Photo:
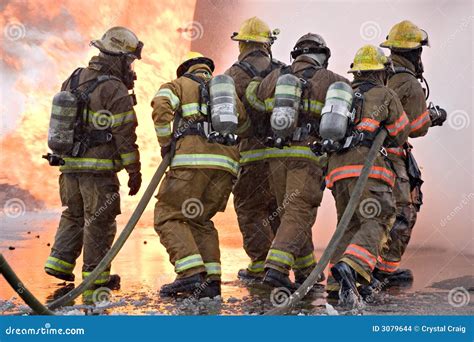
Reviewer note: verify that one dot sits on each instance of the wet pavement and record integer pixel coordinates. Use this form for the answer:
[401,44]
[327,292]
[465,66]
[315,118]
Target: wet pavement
[444,281]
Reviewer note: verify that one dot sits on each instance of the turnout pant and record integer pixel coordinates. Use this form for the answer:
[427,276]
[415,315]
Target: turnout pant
[406,214]
[368,229]
[92,203]
[256,208]
[297,187]
[188,199]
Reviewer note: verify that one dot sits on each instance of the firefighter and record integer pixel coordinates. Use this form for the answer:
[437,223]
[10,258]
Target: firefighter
[254,201]
[406,42]
[376,107]
[296,173]
[199,182]
[89,187]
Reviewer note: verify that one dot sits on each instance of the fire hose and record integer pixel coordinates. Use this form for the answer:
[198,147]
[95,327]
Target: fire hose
[31,300]
[301,292]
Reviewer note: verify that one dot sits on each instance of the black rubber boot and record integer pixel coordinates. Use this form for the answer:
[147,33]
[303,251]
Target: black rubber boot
[401,277]
[346,277]
[187,285]
[113,283]
[210,289]
[368,291]
[59,275]
[276,278]
[246,275]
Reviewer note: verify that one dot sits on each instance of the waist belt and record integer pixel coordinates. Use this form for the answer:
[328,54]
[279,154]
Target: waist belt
[193,128]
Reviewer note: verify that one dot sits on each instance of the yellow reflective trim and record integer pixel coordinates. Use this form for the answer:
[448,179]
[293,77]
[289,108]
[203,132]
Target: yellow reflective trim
[90,164]
[103,278]
[59,265]
[188,262]
[281,257]
[165,92]
[251,96]
[130,158]
[163,130]
[205,160]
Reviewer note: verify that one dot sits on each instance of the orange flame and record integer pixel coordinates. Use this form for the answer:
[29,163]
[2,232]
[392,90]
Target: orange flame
[44,42]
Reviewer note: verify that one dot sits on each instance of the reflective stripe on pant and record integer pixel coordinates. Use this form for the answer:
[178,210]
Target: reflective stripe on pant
[256,209]
[103,278]
[187,201]
[59,265]
[92,202]
[297,187]
[406,215]
[367,231]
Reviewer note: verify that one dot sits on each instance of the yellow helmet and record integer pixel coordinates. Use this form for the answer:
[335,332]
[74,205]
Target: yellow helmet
[405,36]
[119,40]
[192,58]
[369,58]
[255,30]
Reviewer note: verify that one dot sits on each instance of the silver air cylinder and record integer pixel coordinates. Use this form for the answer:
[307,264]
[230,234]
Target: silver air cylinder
[284,118]
[336,112]
[61,123]
[223,104]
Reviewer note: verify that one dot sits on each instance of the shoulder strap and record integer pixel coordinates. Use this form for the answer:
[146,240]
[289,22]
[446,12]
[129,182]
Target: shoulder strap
[401,70]
[248,68]
[74,83]
[98,80]
[195,78]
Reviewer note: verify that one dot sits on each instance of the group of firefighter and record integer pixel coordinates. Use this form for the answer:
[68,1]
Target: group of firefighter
[274,135]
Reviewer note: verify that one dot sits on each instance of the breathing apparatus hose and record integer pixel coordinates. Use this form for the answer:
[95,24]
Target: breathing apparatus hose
[22,291]
[112,253]
[301,292]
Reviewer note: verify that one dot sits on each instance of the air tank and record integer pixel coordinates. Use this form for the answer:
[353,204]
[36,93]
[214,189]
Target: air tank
[336,112]
[61,123]
[223,104]
[284,118]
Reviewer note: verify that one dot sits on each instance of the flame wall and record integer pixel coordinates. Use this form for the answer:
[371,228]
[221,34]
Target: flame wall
[44,41]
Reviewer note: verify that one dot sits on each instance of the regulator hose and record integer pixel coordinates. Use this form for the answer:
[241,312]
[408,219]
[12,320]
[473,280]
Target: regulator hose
[301,292]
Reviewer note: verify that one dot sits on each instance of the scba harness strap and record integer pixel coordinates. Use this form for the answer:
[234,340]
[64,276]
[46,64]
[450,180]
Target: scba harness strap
[85,137]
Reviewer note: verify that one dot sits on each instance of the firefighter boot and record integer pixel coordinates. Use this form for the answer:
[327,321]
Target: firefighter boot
[210,289]
[248,276]
[369,291]
[186,285]
[346,277]
[276,278]
[59,275]
[401,277]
